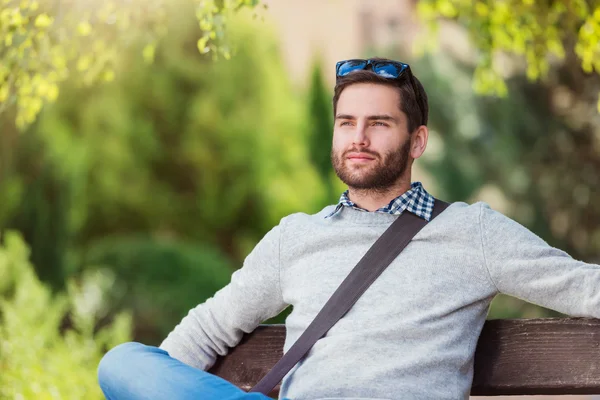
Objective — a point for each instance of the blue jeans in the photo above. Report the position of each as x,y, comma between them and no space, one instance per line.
133,371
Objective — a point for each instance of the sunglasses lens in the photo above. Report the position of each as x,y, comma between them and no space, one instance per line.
349,66
389,70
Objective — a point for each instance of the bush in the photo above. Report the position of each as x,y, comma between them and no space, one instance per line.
49,347
159,280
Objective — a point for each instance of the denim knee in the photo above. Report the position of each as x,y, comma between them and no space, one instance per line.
134,371
117,364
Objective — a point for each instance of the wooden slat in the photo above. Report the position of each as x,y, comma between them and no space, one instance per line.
513,357
250,360
538,356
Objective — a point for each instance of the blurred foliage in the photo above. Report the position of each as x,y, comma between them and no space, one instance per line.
44,43
158,280
164,179
42,218
539,31
49,345
320,112
207,152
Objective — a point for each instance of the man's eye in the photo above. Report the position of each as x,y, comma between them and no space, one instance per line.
346,123
379,123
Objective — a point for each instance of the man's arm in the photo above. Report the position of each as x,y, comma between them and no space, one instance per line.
522,265
252,296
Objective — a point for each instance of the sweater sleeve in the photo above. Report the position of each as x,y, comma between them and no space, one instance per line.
252,296
522,265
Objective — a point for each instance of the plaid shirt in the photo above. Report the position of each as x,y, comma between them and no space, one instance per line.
416,201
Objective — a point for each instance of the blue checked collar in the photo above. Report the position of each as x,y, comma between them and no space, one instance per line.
416,200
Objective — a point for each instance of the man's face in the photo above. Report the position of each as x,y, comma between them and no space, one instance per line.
371,143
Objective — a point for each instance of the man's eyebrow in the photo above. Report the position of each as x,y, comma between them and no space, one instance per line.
382,117
345,116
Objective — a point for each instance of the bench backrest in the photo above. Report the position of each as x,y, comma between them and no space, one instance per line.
513,357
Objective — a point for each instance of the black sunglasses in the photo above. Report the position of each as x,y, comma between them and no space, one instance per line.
386,69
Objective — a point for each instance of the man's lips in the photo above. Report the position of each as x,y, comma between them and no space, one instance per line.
359,157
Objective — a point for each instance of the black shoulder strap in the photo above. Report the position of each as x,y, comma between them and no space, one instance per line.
378,257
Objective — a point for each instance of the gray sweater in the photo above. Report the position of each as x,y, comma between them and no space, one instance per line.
412,334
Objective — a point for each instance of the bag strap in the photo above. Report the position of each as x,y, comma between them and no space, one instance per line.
378,257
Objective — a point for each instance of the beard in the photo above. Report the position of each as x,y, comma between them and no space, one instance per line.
379,176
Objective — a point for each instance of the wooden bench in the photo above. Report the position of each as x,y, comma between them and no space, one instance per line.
513,357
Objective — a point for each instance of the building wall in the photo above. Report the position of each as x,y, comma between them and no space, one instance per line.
337,29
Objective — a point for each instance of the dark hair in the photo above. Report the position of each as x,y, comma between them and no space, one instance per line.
413,99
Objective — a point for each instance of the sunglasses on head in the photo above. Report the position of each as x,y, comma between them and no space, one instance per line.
385,69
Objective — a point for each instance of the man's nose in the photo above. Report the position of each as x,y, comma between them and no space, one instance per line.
360,135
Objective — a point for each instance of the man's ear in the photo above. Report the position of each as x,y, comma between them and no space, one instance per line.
419,142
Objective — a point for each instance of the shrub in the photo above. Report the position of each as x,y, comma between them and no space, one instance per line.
159,280
49,347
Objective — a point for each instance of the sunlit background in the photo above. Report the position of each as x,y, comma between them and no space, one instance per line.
147,146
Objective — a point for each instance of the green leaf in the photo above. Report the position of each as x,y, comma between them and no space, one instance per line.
202,44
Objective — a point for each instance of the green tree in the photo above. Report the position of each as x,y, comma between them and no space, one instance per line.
210,151
320,126
537,31
183,150
44,43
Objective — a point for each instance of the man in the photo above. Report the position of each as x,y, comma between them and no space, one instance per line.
412,334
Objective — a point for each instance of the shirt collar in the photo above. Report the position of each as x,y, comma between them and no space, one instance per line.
416,200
